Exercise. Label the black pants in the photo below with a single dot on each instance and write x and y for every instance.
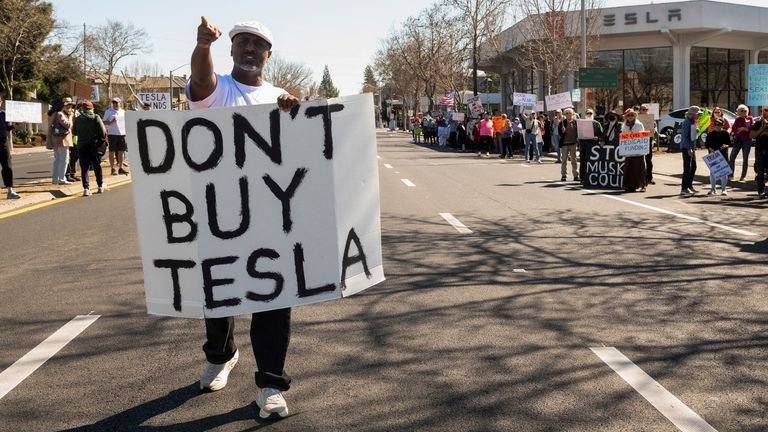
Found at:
(487, 142)
(5, 162)
(689, 169)
(89, 160)
(649, 163)
(74, 155)
(270, 335)
(506, 146)
(583, 146)
(761, 165)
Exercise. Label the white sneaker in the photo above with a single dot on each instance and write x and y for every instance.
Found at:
(86, 192)
(725, 193)
(712, 192)
(102, 189)
(214, 377)
(271, 402)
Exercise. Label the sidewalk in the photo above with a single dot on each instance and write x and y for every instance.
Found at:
(42, 191)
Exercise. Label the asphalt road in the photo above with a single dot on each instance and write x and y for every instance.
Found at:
(490, 330)
(32, 167)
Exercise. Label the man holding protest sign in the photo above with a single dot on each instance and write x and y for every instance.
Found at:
(5, 155)
(270, 330)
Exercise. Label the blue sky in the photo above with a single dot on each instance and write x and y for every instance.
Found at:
(342, 34)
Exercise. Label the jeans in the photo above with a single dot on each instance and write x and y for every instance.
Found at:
(744, 146)
(723, 180)
(89, 160)
(530, 140)
(5, 162)
(556, 145)
(761, 164)
(569, 152)
(689, 169)
(60, 162)
(270, 335)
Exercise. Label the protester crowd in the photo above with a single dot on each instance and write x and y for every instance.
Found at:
(530, 135)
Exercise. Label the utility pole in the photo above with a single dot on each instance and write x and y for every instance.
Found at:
(84, 65)
(583, 51)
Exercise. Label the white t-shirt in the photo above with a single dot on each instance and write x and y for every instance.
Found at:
(230, 93)
(117, 128)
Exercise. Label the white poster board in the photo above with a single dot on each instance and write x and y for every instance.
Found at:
(524, 99)
(585, 130)
(539, 106)
(476, 105)
(156, 101)
(457, 116)
(23, 112)
(634, 143)
(248, 209)
(558, 101)
(717, 164)
(654, 108)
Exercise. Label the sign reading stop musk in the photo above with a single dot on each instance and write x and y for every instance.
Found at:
(247, 209)
(605, 167)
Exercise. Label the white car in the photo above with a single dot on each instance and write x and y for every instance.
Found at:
(667, 125)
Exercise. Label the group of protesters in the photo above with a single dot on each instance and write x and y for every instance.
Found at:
(531, 134)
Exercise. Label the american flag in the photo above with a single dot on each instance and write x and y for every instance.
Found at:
(447, 100)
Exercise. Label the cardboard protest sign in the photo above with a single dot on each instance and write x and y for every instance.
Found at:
(558, 101)
(634, 143)
(585, 130)
(476, 105)
(654, 109)
(247, 209)
(23, 112)
(605, 167)
(524, 99)
(539, 106)
(717, 164)
(647, 121)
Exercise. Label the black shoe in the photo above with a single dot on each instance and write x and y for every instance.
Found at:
(651, 182)
(563, 179)
(122, 171)
(72, 179)
(576, 179)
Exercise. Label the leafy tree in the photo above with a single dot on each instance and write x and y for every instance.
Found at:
(113, 42)
(370, 85)
(327, 89)
(24, 25)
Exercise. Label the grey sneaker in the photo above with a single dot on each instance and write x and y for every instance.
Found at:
(214, 377)
(271, 403)
(86, 192)
(13, 195)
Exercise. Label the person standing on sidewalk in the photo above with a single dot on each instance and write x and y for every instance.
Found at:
(645, 109)
(688, 134)
(759, 133)
(114, 118)
(89, 130)
(59, 138)
(570, 136)
(5, 155)
(270, 330)
(741, 140)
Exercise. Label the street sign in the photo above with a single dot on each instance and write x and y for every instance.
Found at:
(576, 95)
(598, 77)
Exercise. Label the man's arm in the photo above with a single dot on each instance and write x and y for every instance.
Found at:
(202, 82)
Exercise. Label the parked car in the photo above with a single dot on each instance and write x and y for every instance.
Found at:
(667, 123)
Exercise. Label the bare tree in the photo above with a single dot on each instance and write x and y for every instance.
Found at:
(114, 42)
(549, 37)
(294, 77)
(140, 68)
(484, 20)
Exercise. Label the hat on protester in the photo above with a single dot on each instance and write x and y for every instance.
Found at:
(628, 111)
(252, 27)
(57, 104)
(88, 104)
(695, 110)
(718, 122)
(67, 101)
(117, 99)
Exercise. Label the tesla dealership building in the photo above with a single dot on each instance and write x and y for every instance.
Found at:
(675, 54)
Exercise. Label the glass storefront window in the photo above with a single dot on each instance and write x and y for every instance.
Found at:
(718, 77)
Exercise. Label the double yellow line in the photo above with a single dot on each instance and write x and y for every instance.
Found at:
(52, 202)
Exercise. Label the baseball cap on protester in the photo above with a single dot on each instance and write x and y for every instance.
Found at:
(252, 27)
(88, 104)
(116, 99)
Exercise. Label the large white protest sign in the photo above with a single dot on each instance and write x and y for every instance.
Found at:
(634, 143)
(718, 165)
(156, 101)
(539, 106)
(558, 101)
(23, 112)
(585, 130)
(524, 99)
(457, 116)
(476, 105)
(247, 209)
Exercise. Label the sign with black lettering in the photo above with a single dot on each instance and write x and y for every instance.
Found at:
(246, 209)
(605, 167)
(156, 101)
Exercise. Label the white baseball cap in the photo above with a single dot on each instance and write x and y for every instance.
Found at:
(252, 27)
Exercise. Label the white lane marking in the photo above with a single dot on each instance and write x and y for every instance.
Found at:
(460, 227)
(25, 366)
(525, 165)
(388, 166)
(519, 271)
(408, 182)
(673, 409)
(661, 210)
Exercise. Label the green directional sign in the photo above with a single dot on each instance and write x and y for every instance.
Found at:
(598, 77)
